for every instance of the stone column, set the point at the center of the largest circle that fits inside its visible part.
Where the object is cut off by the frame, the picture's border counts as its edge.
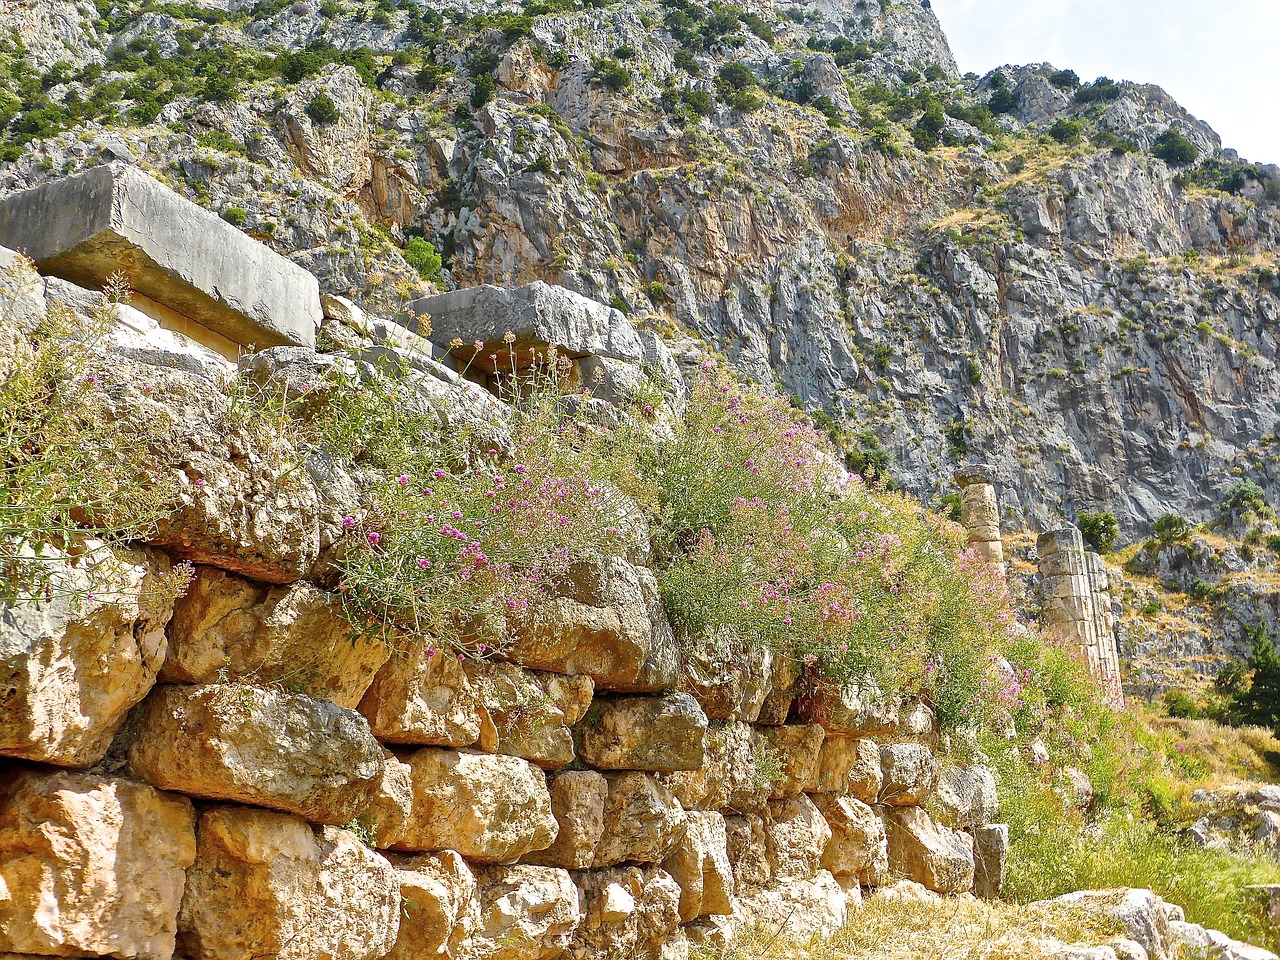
(1075, 602)
(980, 511)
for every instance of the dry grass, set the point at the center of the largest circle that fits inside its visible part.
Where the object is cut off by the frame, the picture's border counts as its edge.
(1228, 754)
(961, 928)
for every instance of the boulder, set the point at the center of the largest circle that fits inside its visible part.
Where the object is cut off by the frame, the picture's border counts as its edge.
(441, 906)
(796, 835)
(631, 912)
(920, 850)
(228, 628)
(606, 621)
(526, 913)
(727, 674)
(851, 768)
(491, 809)
(661, 734)
(391, 809)
(990, 853)
(1198, 941)
(909, 774)
(270, 884)
(423, 696)
(71, 667)
(1143, 915)
(700, 865)
(263, 747)
(115, 218)
(854, 710)
(91, 865)
(643, 821)
(804, 908)
(966, 797)
(793, 751)
(528, 714)
(748, 851)
(730, 778)
(858, 847)
(577, 803)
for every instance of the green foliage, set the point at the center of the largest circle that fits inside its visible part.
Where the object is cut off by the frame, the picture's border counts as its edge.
(736, 86)
(1101, 90)
(1170, 529)
(610, 73)
(322, 110)
(1245, 499)
(1002, 100)
(1256, 700)
(1174, 149)
(1099, 531)
(482, 87)
(422, 256)
(235, 216)
(927, 131)
(1065, 79)
(1066, 131)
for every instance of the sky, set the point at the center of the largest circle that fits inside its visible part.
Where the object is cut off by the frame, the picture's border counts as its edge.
(1219, 58)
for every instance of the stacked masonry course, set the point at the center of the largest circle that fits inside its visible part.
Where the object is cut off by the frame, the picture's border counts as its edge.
(234, 776)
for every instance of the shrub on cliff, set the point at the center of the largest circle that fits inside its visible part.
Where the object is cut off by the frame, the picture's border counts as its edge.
(1174, 149)
(1099, 531)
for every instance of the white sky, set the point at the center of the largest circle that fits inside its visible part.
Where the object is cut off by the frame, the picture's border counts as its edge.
(1219, 58)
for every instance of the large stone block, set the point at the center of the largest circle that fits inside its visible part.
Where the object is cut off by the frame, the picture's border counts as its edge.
(526, 913)
(423, 696)
(857, 847)
(748, 851)
(731, 777)
(115, 218)
(660, 734)
(854, 710)
(966, 797)
(577, 802)
(804, 908)
(491, 809)
(727, 674)
(631, 912)
(267, 884)
(226, 627)
(700, 864)
(909, 773)
(526, 713)
(441, 906)
(796, 834)
(794, 750)
(643, 821)
(990, 855)
(72, 667)
(262, 747)
(920, 850)
(91, 865)
(850, 767)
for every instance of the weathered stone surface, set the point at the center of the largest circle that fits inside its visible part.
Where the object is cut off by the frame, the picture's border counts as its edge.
(700, 865)
(423, 696)
(528, 714)
(1143, 915)
(728, 675)
(858, 847)
(966, 797)
(661, 734)
(795, 749)
(802, 907)
(391, 808)
(72, 667)
(919, 849)
(116, 218)
(526, 913)
(910, 774)
(606, 622)
(269, 884)
(91, 865)
(228, 628)
(441, 906)
(491, 809)
(796, 835)
(577, 803)
(850, 767)
(631, 912)
(643, 821)
(278, 750)
(748, 851)
(990, 853)
(783, 684)
(730, 778)
(856, 710)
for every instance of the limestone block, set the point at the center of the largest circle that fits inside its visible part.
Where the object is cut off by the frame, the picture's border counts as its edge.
(1143, 915)
(270, 884)
(577, 803)
(115, 218)
(795, 748)
(631, 912)
(661, 734)
(423, 696)
(389, 812)
(729, 676)
(796, 835)
(804, 908)
(91, 865)
(855, 710)
(491, 809)
(526, 913)
(226, 627)
(909, 773)
(748, 851)
(700, 865)
(607, 622)
(857, 847)
(262, 747)
(920, 850)
(990, 853)
(729, 779)
(850, 767)
(966, 797)
(783, 681)
(643, 821)
(528, 714)
(72, 667)
(441, 906)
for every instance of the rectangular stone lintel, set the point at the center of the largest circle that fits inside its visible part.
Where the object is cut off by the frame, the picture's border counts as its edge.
(117, 219)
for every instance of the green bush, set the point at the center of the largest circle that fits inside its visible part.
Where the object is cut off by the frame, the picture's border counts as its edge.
(610, 73)
(322, 110)
(1099, 531)
(482, 87)
(736, 86)
(927, 131)
(235, 216)
(420, 254)
(1002, 100)
(1065, 79)
(1066, 131)
(1170, 529)
(1100, 91)
(1174, 149)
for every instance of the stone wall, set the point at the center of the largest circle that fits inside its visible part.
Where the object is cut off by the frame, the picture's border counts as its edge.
(237, 774)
